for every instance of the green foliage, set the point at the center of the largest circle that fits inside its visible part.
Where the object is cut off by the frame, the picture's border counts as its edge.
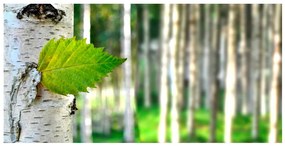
(148, 120)
(106, 20)
(69, 66)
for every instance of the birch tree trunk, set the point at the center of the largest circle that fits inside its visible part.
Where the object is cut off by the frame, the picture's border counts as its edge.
(223, 55)
(129, 113)
(230, 97)
(45, 118)
(244, 62)
(147, 102)
(264, 51)
(181, 55)
(163, 92)
(198, 56)
(86, 121)
(193, 68)
(276, 77)
(206, 55)
(255, 69)
(173, 75)
(269, 55)
(213, 72)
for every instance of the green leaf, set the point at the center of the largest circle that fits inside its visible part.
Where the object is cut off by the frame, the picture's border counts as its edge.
(69, 66)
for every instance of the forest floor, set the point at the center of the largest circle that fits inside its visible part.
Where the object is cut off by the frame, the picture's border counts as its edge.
(148, 120)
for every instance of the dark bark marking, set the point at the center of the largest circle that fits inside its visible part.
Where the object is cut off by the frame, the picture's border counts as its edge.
(34, 123)
(73, 107)
(27, 137)
(42, 11)
(47, 100)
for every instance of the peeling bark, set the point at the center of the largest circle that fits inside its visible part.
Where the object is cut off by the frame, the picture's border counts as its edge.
(30, 114)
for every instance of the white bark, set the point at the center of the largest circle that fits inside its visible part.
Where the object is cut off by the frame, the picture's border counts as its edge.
(147, 99)
(46, 118)
(275, 92)
(86, 121)
(129, 113)
(173, 76)
(163, 93)
(230, 97)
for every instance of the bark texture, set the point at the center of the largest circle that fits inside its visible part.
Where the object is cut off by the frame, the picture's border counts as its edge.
(45, 118)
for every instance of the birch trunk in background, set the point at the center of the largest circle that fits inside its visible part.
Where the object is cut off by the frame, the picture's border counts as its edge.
(163, 92)
(173, 75)
(193, 67)
(275, 92)
(213, 72)
(47, 117)
(255, 70)
(181, 55)
(264, 51)
(86, 121)
(198, 56)
(244, 61)
(126, 40)
(230, 97)
(223, 55)
(147, 99)
(206, 55)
